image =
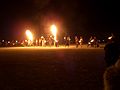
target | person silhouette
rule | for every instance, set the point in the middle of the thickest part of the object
(112, 51)
(111, 77)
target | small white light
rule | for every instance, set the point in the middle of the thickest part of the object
(16, 41)
(92, 40)
(8, 41)
(42, 37)
(3, 40)
(25, 40)
(110, 38)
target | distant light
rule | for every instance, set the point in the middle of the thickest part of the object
(8, 41)
(3, 40)
(80, 41)
(89, 43)
(45, 41)
(110, 37)
(42, 37)
(26, 41)
(92, 40)
(16, 41)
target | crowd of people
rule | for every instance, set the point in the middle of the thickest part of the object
(93, 42)
(111, 75)
(50, 41)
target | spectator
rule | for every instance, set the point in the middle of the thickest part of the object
(112, 51)
(112, 77)
(76, 41)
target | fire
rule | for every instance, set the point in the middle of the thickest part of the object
(29, 35)
(54, 31)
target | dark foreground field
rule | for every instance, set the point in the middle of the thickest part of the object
(51, 69)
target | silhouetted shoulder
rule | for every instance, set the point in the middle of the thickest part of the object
(112, 78)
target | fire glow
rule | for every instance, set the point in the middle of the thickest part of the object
(54, 32)
(29, 35)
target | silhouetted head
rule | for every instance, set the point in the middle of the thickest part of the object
(115, 37)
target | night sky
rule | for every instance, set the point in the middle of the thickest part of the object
(73, 17)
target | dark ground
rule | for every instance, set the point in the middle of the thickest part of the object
(53, 69)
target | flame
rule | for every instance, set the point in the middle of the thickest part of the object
(29, 35)
(54, 31)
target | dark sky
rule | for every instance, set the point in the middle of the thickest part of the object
(74, 17)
